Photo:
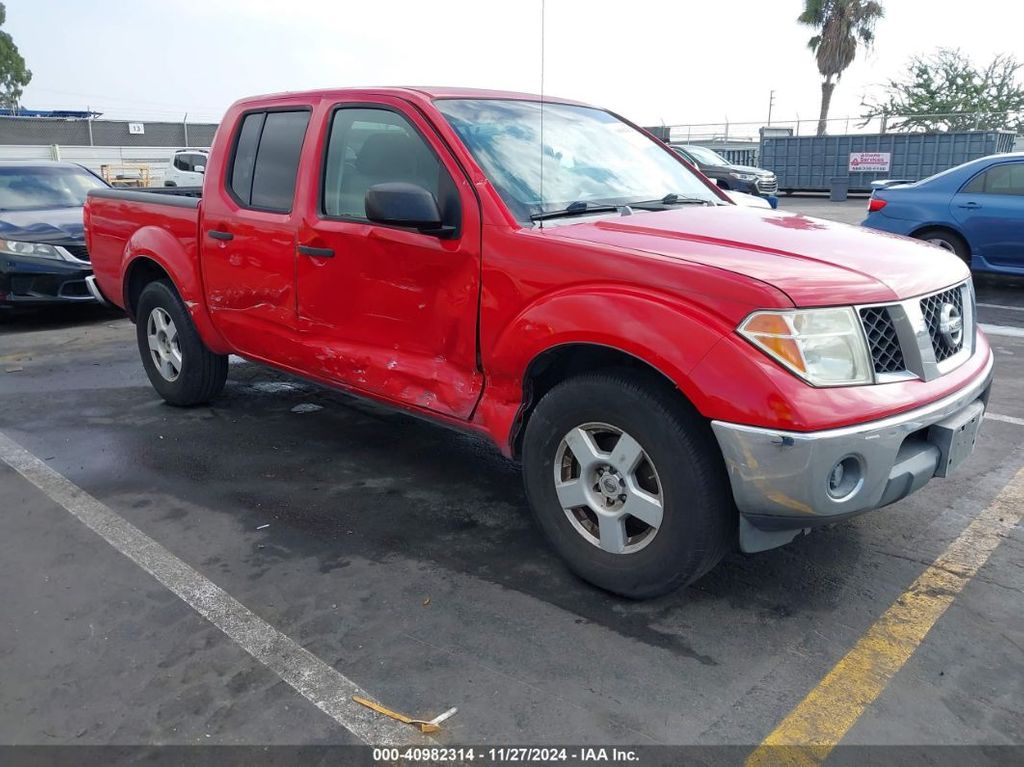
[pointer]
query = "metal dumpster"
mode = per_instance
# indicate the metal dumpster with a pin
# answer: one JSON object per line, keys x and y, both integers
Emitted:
{"x": 809, "y": 163}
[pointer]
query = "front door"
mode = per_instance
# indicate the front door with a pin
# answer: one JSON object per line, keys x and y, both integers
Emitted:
{"x": 387, "y": 310}
{"x": 990, "y": 210}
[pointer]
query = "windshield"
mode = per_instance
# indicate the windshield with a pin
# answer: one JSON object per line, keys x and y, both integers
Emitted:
{"x": 589, "y": 156}
{"x": 36, "y": 188}
{"x": 705, "y": 156}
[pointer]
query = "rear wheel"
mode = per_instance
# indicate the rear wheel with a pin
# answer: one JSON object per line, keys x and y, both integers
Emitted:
{"x": 180, "y": 367}
{"x": 627, "y": 482}
{"x": 947, "y": 240}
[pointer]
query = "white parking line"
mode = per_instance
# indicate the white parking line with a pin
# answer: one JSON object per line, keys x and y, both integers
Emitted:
{"x": 1005, "y": 418}
{"x": 1001, "y": 330}
{"x": 1003, "y": 306}
{"x": 311, "y": 677}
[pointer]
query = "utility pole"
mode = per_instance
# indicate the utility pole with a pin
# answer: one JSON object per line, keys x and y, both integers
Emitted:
{"x": 771, "y": 103}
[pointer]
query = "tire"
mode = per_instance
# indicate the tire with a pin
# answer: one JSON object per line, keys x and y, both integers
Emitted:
{"x": 946, "y": 240}
{"x": 699, "y": 519}
{"x": 188, "y": 373}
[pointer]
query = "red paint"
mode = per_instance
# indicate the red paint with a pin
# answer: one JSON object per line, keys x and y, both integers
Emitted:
{"x": 448, "y": 328}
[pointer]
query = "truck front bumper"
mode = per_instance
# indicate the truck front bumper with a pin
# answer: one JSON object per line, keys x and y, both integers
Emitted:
{"x": 785, "y": 482}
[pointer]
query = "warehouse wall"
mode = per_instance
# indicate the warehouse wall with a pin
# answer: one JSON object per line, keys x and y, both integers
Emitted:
{"x": 35, "y": 131}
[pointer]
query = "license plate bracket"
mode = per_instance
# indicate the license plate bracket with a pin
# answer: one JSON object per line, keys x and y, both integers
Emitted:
{"x": 956, "y": 436}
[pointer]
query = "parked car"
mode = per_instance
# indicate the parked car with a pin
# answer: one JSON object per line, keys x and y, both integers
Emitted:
{"x": 186, "y": 167}
{"x": 43, "y": 257}
{"x": 676, "y": 373}
{"x": 739, "y": 178}
{"x": 975, "y": 210}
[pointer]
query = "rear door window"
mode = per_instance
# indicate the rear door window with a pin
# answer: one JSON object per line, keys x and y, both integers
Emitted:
{"x": 266, "y": 160}
{"x": 245, "y": 157}
{"x": 999, "y": 179}
{"x": 1005, "y": 179}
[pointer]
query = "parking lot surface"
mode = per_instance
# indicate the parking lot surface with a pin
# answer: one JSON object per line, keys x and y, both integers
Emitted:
{"x": 402, "y": 555}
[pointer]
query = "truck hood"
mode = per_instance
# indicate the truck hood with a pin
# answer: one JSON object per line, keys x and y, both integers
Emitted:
{"x": 815, "y": 262}
{"x": 49, "y": 225}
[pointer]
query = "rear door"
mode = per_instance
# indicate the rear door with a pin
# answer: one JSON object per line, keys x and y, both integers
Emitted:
{"x": 990, "y": 210}
{"x": 387, "y": 310}
{"x": 248, "y": 232}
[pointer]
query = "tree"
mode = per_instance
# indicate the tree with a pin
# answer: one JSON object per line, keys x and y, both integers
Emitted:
{"x": 842, "y": 25}
{"x": 13, "y": 74}
{"x": 945, "y": 91}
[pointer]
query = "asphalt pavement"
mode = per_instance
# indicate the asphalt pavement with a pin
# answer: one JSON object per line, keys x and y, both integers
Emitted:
{"x": 401, "y": 557}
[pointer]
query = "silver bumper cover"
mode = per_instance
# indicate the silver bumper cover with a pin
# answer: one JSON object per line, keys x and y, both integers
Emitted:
{"x": 781, "y": 479}
{"x": 94, "y": 290}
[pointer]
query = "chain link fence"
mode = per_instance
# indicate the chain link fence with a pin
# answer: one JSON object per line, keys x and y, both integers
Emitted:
{"x": 750, "y": 130}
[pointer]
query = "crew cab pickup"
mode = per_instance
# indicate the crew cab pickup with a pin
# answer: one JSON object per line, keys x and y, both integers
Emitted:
{"x": 676, "y": 374}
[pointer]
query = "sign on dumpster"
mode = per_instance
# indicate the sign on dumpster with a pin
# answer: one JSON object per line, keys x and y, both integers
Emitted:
{"x": 870, "y": 162}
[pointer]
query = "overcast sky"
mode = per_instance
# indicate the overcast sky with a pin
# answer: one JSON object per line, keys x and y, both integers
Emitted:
{"x": 667, "y": 61}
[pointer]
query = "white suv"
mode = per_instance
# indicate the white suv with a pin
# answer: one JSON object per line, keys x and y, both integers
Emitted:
{"x": 186, "y": 167}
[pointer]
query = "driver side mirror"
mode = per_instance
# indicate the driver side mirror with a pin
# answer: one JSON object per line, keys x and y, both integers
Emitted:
{"x": 398, "y": 203}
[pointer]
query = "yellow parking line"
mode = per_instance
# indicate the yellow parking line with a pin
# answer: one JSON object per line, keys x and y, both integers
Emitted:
{"x": 819, "y": 721}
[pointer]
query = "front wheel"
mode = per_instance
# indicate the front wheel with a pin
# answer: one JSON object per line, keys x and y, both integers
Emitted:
{"x": 627, "y": 482}
{"x": 180, "y": 367}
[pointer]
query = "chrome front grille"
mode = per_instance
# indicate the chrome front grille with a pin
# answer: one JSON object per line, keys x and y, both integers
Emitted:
{"x": 919, "y": 337}
{"x": 945, "y": 344}
{"x": 883, "y": 342}
{"x": 769, "y": 185}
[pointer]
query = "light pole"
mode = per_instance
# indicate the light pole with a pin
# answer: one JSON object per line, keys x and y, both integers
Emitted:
{"x": 771, "y": 103}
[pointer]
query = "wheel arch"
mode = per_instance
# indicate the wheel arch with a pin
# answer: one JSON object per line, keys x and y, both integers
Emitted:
{"x": 152, "y": 253}
{"x": 593, "y": 327}
{"x": 140, "y": 271}
{"x": 565, "y": 361}
{"x": 942, "y": 226}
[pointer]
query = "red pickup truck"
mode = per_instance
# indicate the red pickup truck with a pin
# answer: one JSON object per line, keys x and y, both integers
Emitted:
{"x": 676, "y": 374}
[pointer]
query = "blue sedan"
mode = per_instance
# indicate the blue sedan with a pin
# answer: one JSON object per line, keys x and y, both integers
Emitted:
{"x": 975, "y": 210}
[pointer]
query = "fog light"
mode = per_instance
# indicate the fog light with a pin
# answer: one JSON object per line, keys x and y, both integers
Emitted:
{"x": 845, "y": 478}
{"x": 834, "y": 481}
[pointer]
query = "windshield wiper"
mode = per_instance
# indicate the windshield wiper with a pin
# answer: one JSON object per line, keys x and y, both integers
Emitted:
{"x": 674, "y": 199}
{"x": 578, "y": 208}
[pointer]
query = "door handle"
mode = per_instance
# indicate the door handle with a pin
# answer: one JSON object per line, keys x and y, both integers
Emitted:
{"x": 221, "y": 235}
{"x": 970, "y": 205}
{"x": 308, "y": 250}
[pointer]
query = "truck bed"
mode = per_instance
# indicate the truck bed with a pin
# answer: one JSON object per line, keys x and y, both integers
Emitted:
{"x": 154, "y": 221}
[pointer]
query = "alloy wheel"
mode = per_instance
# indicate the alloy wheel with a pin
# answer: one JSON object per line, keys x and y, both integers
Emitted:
{"x": 608, "y": 488}
{"x": 163, "y": 344}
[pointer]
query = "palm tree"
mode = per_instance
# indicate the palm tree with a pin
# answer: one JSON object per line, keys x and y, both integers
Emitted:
{"x": 841, "y": 25}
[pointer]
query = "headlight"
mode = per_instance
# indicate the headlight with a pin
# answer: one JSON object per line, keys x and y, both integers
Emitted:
{"x": 37, "y": 249}
{"x": 744, "y": 176}
{"x": 825, "y": 347}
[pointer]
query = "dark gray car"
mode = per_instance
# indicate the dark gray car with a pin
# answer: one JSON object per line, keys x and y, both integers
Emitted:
{"x": 43, "y": 258}
{"x": 739, "y": 178}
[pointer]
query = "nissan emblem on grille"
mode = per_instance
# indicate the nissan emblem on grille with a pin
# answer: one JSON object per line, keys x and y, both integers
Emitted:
{"x": 944, "y": 317}
{"x": 951, "y": 325}
{"x": 922, "y": 337}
